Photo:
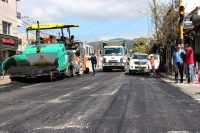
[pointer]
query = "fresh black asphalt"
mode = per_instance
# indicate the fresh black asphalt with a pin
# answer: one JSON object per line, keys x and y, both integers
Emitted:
{"x": 110, "y": 102}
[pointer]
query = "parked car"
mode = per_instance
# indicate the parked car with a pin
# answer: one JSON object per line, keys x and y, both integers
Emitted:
{"x": 138, "y": 63}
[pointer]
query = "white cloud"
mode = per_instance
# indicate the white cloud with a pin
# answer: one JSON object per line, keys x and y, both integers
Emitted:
{"x": 92, "y": 11}
{"x": 88, "y": 9}
{"x": 190, "y": 5}
{"x": 51, "y": 10}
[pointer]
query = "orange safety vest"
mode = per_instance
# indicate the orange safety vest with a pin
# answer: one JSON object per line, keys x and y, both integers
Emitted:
{"x": 47, "y": 41}
{"x": 84, "y": 64}
{"x": 152, "y": 61}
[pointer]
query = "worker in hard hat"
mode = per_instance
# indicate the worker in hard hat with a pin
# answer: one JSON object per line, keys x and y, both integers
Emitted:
{"x": 152, "y": 63}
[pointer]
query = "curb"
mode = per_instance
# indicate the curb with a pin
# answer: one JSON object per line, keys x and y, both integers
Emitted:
{"x": 170, "y": 77}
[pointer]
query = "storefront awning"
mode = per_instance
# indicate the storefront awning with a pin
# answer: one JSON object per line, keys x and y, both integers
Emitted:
{"x": 8, "y": 42}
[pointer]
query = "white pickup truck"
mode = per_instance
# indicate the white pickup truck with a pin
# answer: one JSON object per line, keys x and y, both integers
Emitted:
{"x": 138, "y": 63}
{"x": 114, "y": 58}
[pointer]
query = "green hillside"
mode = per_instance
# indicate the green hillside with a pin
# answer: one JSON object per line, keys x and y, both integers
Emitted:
{"x": 129, "y": 43}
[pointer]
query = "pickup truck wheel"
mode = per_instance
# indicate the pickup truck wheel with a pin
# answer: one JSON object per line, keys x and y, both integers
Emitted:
{"x": 123, "y": 69}
{"x": 62, "y": 75}
{"x": 87, "y": 70}
{"x": 13, "y": 79}
{"x": 130, "y": 72}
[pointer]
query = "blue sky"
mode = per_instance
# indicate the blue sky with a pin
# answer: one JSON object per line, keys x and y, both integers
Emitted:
{"x": 98, "y": 19}
{"x": 117, "y": 28}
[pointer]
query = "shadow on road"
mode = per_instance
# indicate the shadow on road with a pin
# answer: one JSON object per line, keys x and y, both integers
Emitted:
{"x": 113, "y": 70}
{"x": 145, "y": 75}
{"x": 14, "y": 85}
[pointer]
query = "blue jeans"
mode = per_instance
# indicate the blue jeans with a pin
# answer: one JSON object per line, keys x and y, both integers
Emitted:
{"x": 94, "y": 68}
{"x": 190, "y": 72}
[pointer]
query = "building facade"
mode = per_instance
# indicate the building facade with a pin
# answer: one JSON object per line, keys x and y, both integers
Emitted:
{"x": 8, "y": 28}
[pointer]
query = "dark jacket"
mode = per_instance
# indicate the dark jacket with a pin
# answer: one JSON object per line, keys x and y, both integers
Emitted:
{"x": 93, "y": 60}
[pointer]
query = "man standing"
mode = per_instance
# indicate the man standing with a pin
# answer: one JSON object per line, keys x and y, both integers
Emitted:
{"x": 178, "y": 58}
{"x": 93, "y": 60}
{"x": 189, "y": 63}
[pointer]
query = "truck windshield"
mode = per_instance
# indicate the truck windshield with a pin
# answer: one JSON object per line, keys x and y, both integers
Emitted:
{"x": 113, "y": 51}
{"x": 140, "y": 57}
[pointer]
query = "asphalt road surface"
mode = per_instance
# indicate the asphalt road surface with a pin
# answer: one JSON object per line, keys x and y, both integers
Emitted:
{"x": 109, "y": 102}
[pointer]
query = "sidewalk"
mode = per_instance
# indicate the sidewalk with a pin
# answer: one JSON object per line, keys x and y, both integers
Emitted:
{"x": 6, "y": 80}
{"x": 192, "y": 90}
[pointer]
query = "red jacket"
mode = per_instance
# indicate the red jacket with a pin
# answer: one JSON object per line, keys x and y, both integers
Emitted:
{"x": 189, "y": 56}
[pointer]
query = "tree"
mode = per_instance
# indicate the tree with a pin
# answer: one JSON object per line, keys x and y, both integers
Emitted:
{"x": 165, "y": 18}
{"x": 169, "y": 26}
{"x": 140, "y": 45}
{"x": 156, "y": 16}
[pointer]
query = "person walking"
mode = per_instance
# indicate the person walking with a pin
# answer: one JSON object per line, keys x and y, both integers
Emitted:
{"x": 93, "y": 60}
{"x": 189, "y": 63}
{"x": 178, "y": 62}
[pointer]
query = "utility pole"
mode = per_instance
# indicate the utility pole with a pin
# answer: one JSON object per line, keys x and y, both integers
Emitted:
{"x": 181, "y": 21}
